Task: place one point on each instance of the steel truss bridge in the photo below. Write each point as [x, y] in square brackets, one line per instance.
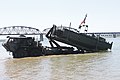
[106, 34]
[17, 30]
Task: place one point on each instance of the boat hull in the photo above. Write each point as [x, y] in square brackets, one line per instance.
[81, 41]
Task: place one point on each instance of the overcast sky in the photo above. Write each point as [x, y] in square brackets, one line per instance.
[102, 15]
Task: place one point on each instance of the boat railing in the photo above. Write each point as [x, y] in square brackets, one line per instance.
[68, 28]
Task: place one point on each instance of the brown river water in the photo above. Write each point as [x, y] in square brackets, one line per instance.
[92, 66]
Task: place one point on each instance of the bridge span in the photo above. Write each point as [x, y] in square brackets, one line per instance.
[106, 34]
[17, 30]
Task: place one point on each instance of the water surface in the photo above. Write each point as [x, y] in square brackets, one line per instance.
[93, 66]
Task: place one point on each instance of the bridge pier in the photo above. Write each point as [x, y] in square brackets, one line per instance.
[114, 35]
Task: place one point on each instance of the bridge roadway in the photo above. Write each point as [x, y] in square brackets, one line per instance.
[17, 30]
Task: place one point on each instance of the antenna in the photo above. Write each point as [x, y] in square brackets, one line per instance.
[69, 25]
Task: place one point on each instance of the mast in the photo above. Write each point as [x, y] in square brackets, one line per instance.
[82, 24]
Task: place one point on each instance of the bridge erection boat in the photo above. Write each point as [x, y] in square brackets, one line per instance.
[79, 43]
[82, 41]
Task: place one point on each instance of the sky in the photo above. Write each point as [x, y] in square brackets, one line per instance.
[102, 15]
